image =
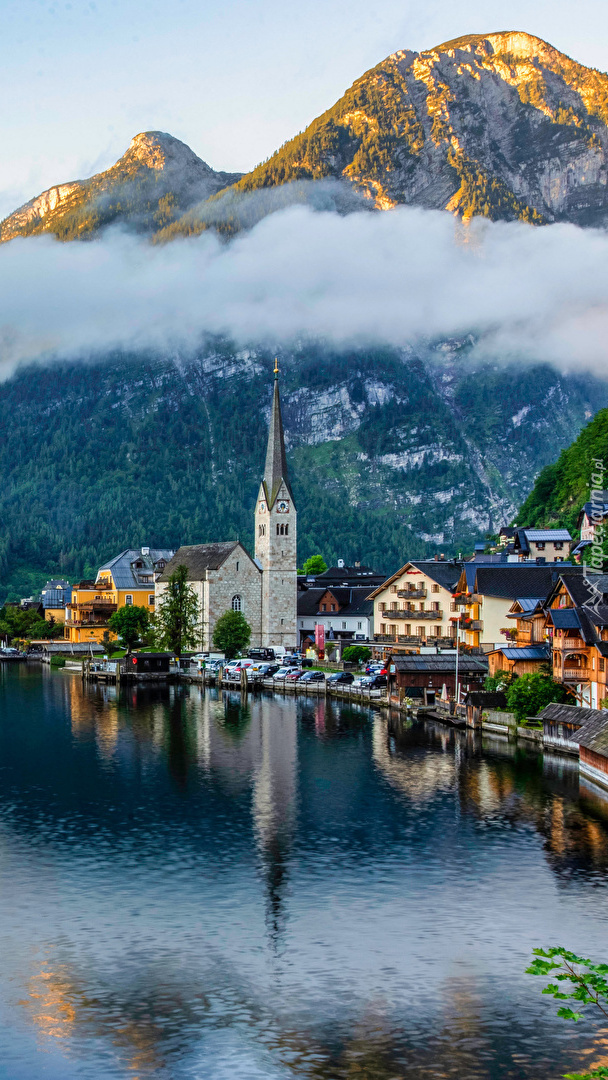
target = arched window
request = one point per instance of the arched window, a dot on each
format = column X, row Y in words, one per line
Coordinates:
column 262, row 530
column 236, row 603
column 286, row 530
column 278, row 530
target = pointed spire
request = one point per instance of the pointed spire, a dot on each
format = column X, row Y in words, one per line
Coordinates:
column 275, row 471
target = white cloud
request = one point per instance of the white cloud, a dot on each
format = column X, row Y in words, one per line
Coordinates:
column 393, row 278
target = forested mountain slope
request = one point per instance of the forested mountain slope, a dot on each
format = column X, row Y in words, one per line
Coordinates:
column 392, row 454
column 565, row 485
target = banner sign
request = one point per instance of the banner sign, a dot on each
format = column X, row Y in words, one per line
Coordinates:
column 320, row 636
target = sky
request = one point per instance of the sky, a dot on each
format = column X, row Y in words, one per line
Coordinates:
column 234, row 79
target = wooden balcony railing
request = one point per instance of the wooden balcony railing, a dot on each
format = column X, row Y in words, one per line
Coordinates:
column 575, row 674
column 412, row 594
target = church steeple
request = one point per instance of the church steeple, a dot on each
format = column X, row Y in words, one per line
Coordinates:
column 275, row 471
column 276, row 538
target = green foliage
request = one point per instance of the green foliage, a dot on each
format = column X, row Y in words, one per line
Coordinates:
column 488, row 196
column 18, row 624
column 315, row 565
column 57, row 661
column 577, row 979
column 563, row 487
column 232, row 634
column 528, row 694
column 498, row 682
column 356, row 654
column 178, row 618
column 130, row 623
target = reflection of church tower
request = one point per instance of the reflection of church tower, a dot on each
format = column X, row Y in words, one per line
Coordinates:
column 276, row 537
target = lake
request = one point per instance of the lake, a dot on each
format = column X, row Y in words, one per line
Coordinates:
column 197, row 886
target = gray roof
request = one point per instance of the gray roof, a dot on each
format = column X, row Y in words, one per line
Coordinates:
column 526, row 652
column 198, row 558
column 547, row 534
column 568, row 714
column 439, row 662
column 125, row 575
column 565, row 618
column 517, row 579
column 594, row 732
column 275, row 471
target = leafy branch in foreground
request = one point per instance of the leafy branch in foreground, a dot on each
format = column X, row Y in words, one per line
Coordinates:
column 577, row 979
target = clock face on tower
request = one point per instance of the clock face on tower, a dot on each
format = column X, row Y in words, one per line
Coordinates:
column 283, row 507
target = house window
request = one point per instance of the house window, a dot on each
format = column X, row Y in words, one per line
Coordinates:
column 435, row 605
column 558, row 545
column 151, row 600
column 359, row 626
column 383, row 628
column 323, row 607
column 237, row 567
column 393, row 628
column 344, row 626
column 333, row 607
column 286, row 527
column 420, row 631
column 278, row 530
column 128, row 599
column 408, row 630
column 434, row 588
column 540, row 545
column 602, row 663
column 393, row 588
column 382, row 607
column 236, row 603
column 394, row 605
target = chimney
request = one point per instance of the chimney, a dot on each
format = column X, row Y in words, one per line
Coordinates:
column 340, row 564
column 357, row 564
column 442, row 557
column 145, row 551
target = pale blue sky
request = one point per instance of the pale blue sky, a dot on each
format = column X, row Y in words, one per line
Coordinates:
column 234, row 79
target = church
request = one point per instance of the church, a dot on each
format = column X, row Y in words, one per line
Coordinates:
column 264, row 588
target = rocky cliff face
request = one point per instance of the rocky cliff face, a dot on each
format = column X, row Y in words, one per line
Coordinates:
column 501, row 125
column 157, row 179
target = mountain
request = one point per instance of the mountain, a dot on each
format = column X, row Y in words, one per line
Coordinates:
column 500, row 125
column 392, row 454
column 564, row 486
column 157, row 179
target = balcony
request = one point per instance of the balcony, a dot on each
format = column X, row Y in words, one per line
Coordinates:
column 412, row 594
column 575, row 674
column 412, row 616
column 571, row 644
column 400, row 639
column 476, row 624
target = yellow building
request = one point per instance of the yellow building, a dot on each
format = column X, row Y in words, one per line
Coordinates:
column 127, row 579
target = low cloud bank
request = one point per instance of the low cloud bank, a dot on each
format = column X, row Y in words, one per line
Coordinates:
column 386, row 278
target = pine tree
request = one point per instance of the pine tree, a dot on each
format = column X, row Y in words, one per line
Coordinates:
column 177, row 619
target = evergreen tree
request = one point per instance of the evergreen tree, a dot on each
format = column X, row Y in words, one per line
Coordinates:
column 177, row 618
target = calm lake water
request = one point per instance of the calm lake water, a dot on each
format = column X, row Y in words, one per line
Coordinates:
column 191, row 887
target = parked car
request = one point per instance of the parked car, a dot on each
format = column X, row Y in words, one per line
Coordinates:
column 378, row 682
column 283, row 672
column 341, row 677
column 266, row 671
column 291, row 661
column 373, row 669
column 363, row 681
column 297, row 673
column 313, row 676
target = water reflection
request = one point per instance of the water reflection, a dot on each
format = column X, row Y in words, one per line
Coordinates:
column 203, row 885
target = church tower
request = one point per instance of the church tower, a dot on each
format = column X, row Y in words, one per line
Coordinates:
column 276, row 538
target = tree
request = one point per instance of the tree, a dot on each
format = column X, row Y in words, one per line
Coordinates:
column 315, row 565
column 576, row 979
column 232, row 633
column 356, row 654
column 130, row 623
column 177, row 618
column 528, row 694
